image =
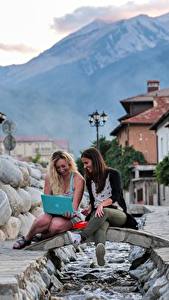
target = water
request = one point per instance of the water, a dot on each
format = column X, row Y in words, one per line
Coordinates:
column 84, row 280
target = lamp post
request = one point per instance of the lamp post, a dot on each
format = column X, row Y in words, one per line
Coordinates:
column 97, row 120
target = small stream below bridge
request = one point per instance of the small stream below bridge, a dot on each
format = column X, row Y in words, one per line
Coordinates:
column 84, row 280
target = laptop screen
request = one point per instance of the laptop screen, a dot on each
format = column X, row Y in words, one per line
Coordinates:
column 57, row 204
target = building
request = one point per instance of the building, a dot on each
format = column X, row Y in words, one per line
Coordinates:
column 28, row 147
column 161, row 126
column 143, row 186
column 141, row 112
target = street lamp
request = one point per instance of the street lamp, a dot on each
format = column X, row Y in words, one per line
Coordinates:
column 97, row 120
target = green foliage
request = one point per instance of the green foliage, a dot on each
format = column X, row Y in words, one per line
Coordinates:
column 37, row 158
column 117, row 157
column 162, row 171
column 80, row 166
column 122, row 158
column 113, row 156
column 104, row 145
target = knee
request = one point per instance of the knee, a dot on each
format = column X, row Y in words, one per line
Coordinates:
column 43, row 220
column 54, row 227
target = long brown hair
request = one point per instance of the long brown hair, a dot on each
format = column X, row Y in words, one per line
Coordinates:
column 99, row 172
column 55, row 179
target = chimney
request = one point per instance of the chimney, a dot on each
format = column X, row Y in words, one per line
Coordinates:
column 153, row 85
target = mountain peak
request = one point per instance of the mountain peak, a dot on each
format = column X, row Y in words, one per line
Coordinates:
column 91, row 68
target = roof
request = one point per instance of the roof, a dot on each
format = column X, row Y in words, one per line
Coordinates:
column 64, row 144
column 160, row 120
column 117, row 129
column 161, row 104
column 60, row 142
column 147, row 97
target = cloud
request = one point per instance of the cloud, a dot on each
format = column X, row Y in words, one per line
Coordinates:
column 84, row 15
column 16, row 48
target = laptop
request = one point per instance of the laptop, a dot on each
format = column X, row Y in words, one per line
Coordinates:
column 57, row 204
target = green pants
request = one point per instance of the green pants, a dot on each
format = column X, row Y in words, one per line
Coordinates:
column 97, row 227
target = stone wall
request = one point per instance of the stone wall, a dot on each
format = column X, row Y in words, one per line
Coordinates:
column 21, row 186
column 153, row 275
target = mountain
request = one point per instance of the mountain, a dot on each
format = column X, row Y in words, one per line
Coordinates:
column 90, row 69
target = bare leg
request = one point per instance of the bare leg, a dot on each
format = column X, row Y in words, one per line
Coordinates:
column 58, row 225
column 40, row 225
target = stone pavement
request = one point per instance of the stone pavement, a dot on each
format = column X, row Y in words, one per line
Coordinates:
column 157, row 222
column 15, row 268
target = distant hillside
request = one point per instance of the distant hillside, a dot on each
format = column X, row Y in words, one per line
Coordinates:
column 90, row 69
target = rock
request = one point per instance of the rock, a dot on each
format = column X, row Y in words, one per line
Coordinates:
column 2, row 236
column 15, row 201
column 37, row 211
column 35, row 173
column 10, row 173
column 140, row 260
column 35, row 196
column 61, row 254
column 26, row 222
column 36, row 183
column 26, row 198
column 5, row 209
column 11, row 228
column 26, row 178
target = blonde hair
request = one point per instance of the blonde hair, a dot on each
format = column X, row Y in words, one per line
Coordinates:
column 55, row 180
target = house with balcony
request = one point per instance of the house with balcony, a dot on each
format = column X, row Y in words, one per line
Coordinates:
column 142, row 111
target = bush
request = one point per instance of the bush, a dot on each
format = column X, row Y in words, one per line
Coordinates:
column 162, row 171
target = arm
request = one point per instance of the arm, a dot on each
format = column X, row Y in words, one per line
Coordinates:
column 99, row 211
column 47, row 188
column 79, row 183
column 117, row 195
column 115, row 183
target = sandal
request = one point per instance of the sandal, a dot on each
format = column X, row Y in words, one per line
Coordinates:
column 21, row 243
column 37, row 238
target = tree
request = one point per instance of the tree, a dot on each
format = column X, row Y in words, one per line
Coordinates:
column 113, row 156
column 129, row 156
column 104, row 145
column 117, row 157
column 122, row 158
column 37, row 158
column 80, row 165
column 162, row 171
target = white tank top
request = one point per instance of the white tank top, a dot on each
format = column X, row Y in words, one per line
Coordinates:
column 104, row 194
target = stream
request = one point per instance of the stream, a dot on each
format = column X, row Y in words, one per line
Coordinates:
column 83, row 279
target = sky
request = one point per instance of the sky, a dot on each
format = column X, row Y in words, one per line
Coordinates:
column 28, row 27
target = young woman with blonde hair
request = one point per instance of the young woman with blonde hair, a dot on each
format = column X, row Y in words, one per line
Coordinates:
column 62, row 178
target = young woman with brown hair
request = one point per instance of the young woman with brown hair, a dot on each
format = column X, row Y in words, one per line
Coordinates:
column 106, row 206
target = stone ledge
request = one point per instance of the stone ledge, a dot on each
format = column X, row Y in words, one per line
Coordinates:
column 114, row 234
column 160, row 257
column 8, row 287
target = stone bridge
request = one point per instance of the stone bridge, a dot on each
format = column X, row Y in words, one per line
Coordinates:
column 155, row 234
